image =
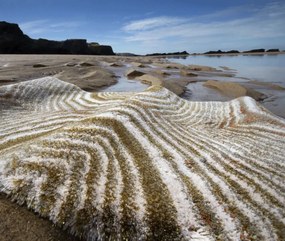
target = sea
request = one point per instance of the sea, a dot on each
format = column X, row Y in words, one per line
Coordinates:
column 260, row 67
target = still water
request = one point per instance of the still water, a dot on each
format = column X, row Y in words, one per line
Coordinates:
column 264, row 67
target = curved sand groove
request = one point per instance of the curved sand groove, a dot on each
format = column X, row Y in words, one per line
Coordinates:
column 143, row 166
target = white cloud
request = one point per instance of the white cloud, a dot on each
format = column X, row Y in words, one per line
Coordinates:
column 152, row 23
column 45, row 26
column 238, row 26
column 34, row 27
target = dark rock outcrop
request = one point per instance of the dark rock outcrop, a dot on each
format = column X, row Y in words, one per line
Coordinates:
column 255, row 51
column 232, row 52
column 218, row 52
column 126, row 54
column 272, row 50
column 162, row 54
column 214, row 52
column 14, row 41
column 101, row 50
column 223, row 52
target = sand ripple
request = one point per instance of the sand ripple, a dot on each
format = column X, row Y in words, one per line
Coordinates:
column 143, row 166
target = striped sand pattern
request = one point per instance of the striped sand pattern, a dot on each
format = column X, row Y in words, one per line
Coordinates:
column 143, row 166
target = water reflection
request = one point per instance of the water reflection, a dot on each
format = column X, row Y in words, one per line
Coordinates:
column 178, row 57
column 267, row 68
column 124, row 84
column 262, row 67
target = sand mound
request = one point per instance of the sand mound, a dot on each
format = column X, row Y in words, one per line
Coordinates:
column 133, row 73
column 234, row 89
column 90, row 79
column 143, row 166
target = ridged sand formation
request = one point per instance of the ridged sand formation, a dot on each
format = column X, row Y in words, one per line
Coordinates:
column 143, row 166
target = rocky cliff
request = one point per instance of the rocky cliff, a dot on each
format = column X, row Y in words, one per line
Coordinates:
column 14, row 41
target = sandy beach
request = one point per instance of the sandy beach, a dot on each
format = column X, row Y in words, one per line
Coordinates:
column 102, row 74
column 142, row 120
column 118, row 73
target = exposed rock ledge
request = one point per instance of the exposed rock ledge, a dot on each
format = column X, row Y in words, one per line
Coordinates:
column 142, row 166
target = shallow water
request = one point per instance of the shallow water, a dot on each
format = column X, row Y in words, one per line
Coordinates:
column 265, row 67
column 124, row 84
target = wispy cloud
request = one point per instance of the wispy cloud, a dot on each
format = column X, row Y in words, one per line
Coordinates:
column 34, row 27
column 45, row 26
column 152, row 23
column 230, row 25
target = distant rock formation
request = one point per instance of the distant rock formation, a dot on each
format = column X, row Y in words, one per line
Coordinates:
column 174, row 53
column 14, row 41
column 100, row 49
column 255, row 51
column 215, row 52
column 126, row 54
column 237, row 52
column 273, row 50
column 223, row 52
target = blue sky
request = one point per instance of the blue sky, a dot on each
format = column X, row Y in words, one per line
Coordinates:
column 148, row 26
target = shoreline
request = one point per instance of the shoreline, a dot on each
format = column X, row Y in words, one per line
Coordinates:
column 146, row 56
column 110, row 73
column 241, row 53
column 222, row 54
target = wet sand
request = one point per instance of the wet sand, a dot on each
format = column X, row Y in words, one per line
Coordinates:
column 101, row 73
column 94, row 73
column 90, row 73
column 111, row 74
column 17, row 223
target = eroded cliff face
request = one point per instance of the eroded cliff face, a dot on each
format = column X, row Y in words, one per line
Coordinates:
column 14, row 41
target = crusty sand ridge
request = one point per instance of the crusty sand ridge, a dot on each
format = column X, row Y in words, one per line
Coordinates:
column 143, row 166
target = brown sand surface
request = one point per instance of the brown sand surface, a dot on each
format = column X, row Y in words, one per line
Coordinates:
column 97, row 73
column 19, row 224
column 82, row 71
column 235, row 90
column 92, row 73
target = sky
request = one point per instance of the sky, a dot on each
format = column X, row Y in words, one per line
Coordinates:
column 149, row 26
